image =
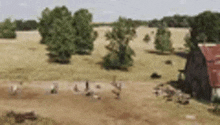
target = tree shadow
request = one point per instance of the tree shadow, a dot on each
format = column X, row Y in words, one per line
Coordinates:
column 52, row 59
column 111, row 68
column 178, row 84
column 214, row 112
column 179, row 53
column 157, row 52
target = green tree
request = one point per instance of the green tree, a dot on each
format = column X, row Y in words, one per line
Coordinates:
column 19, row 25
column 146, row 38
column 162, row 41
column 58, row 33
column 7, row 29
column 61, row 42
column 48, row 17
column 30, row 25
column 120, row 55
column 205, row 28
column 188, row 44
column 85, row 36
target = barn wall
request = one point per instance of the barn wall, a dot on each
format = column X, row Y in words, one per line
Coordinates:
column 197, row 79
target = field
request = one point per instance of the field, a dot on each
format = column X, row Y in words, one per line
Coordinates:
column 19, row 60
column 24, row 59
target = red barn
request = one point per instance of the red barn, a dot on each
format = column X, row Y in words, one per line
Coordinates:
column 202, row 71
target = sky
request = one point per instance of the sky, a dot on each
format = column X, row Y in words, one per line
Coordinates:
column 108, row 10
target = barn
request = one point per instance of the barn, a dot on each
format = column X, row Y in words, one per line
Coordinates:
column 202, row 72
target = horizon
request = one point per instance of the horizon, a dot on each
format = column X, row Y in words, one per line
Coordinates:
column 108, row 10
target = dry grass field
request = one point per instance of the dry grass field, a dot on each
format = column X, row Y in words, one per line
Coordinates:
column 24, row 59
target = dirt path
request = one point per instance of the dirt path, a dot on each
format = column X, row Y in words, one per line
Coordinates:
column 136, row 106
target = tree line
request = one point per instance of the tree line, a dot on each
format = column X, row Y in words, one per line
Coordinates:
column 26, row 25
column 172, row 21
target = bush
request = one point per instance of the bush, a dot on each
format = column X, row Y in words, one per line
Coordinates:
column 162, row 41
column 120, row 53
column 84, row 31
column 7, row 29
column 146, row 38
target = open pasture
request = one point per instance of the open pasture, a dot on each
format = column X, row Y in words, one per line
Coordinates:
column 24, row 59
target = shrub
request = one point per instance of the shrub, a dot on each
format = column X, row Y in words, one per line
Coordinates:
column 7, row 29
column 85, row 36
column 146, row 38
column 162, row 41
column 120, row 53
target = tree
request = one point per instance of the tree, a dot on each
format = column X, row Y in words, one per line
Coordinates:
column 30, row 25
column 61, row 42
column 188, row 44
column 205, row 28
column 84, row 31
column 26, row 25
column 19, row 24
column 7, row 29
column 47, row 19
column 58, row 33
column 162, row 41
column 146, row 38
column 120, row 55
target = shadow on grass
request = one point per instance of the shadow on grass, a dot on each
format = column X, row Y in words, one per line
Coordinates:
column 52, row 59
column 180, row 54
column 214, row 112
column 157, row 52
column 111, row 68
column 180, row 85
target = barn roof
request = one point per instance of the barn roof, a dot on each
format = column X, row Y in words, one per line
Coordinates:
column 211, row 53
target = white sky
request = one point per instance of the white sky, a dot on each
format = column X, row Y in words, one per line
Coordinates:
column 108, row 10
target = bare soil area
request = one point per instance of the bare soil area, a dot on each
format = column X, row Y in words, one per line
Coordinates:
column 137, row 106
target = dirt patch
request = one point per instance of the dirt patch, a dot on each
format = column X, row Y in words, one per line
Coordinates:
column 137, row 105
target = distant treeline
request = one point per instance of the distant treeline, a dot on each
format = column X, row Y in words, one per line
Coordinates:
column 136, row 23
column 169, row 21
column 172, row 21
column 26, row 25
